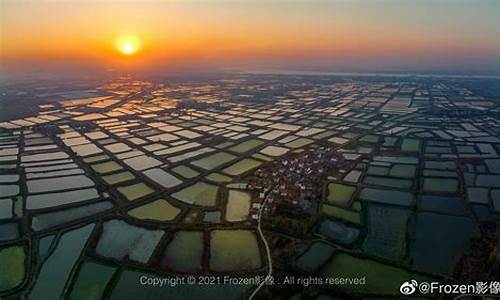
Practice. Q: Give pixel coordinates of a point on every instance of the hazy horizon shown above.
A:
(341, 36)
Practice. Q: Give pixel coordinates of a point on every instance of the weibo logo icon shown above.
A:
(409, 287)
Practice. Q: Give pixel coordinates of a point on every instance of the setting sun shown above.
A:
(128, 44)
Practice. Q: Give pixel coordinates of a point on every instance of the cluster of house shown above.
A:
(294, 180)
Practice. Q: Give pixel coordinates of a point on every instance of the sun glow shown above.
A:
(128, 44)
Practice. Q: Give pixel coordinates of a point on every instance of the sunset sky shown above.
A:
(398, 34)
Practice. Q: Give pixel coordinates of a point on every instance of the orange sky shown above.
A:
(205, 30)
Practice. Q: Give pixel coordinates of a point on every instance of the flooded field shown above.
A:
(213, 161)
(12, 260)
(135, 191)
(201, 193)
(92, 281)
(433, 254)
(56, 269)
(58, 184)
(120, 240)
(162, 178)
(246, 146)
(315, 257)
(184, 253)
(185, 172)
(61, 198)
(49, 220)
(340, 194)
(106, 167)
(159, 210)
(118, 177)
(238, 206)
(274, 151)
(380, 278)
(241, 167)
(234, 250)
